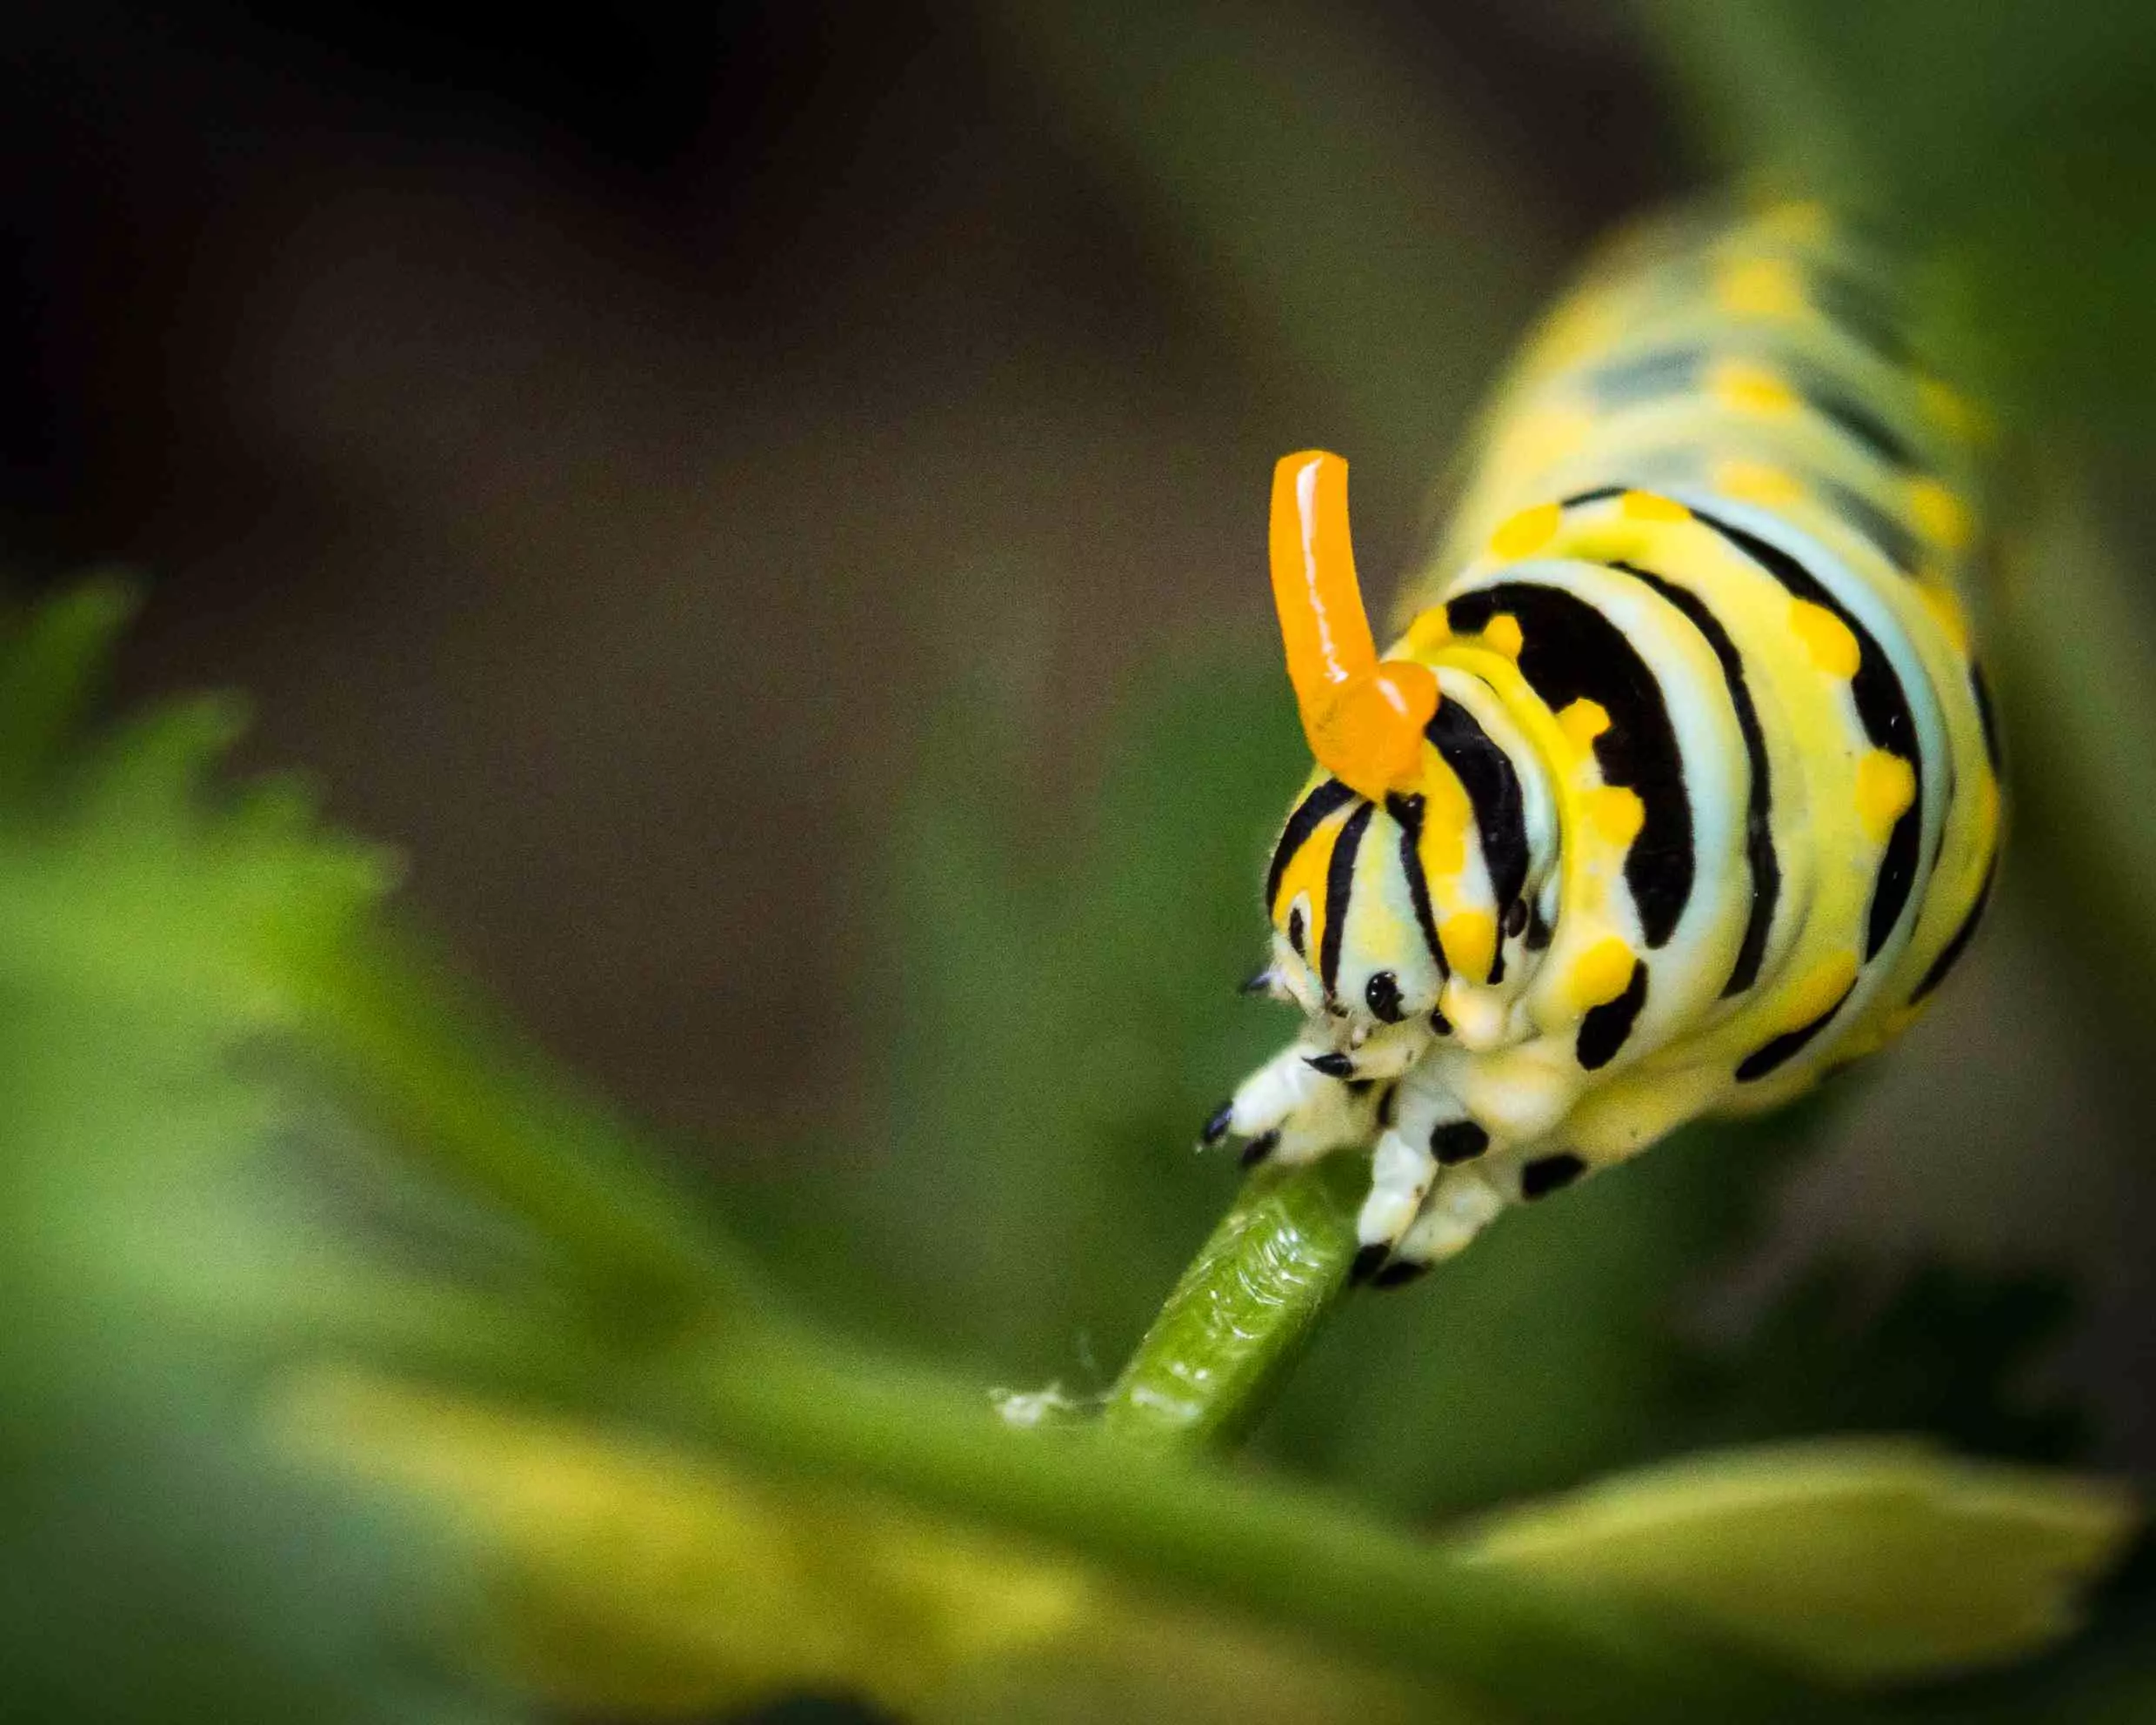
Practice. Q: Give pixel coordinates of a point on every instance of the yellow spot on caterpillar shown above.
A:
(1761, 287)
(1648, 506)
(1617, 812)
(1886, 786)
(1502, 633)
(1431, 629)
(1954, 621)
(1743, 387)
(1940, 514)
(1583, 721)
(1756, 482)
(1825, 637)
(1601, 974)
(1527, 531)
(1828, 982)
(1469, 940)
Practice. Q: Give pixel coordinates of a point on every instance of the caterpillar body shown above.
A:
(1679, 786)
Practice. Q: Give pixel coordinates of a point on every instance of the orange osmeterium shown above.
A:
(1364, 716)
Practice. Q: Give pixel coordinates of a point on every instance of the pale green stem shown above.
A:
(1245, 1309)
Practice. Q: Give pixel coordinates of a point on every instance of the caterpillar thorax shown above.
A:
(1678, 786)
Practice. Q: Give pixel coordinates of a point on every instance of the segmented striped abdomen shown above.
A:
(1678, 786)
(1709, 568)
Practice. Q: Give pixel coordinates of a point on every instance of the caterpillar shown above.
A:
(1679, 786)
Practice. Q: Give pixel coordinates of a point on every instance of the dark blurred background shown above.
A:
(588, 443)
(599, 447)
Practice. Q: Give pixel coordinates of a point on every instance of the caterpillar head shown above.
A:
(1348, 932)
(1403, 863)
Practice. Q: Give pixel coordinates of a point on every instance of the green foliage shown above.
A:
(256, 1148)
(1871, 1559)
(253, 1143)
(140, 931)
(1064, 1015)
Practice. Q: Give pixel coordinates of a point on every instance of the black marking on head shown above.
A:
(1340, 888)
(1325, 796)
(1647, 377)
(1295, 931)
(1382, 995)
(1458, 1142)
(1260, 1148)
(1491, 782)
(1571, 651)
(1333, 1066)
(1516, 919)
(1772, 1055)
(1400, 1272)
(1896, 543)
(1988, 718)
(1766, 868)
(1217, 1124)
(1497, 965)
(1438, 1022)
(1883, 709)
(1367, 1263)
(1603, 1029)
(1407, 812)
(1950, 954)
(1545, 1174)
(1386, 1104)
(1539, 930)
(1361, 1086)
(1600, 494)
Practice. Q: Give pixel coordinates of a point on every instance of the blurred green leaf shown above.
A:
(2104, 1678)
(627, 1576)
(2076, 636)
(205, 1009)
(1061, 998)
(1866, 1560)
(160, 1564)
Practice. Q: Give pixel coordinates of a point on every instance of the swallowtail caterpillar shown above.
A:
(1678, 786)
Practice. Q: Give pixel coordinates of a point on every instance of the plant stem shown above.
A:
(1243, 1310)
(1286, 1554)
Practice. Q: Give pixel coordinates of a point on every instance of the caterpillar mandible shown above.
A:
(1680, 786)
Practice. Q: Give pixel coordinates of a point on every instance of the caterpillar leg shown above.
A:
(1462, 1204)
(1402, 1170)
(1291, 1111)
(1422, 1161)
(1466, 1200)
